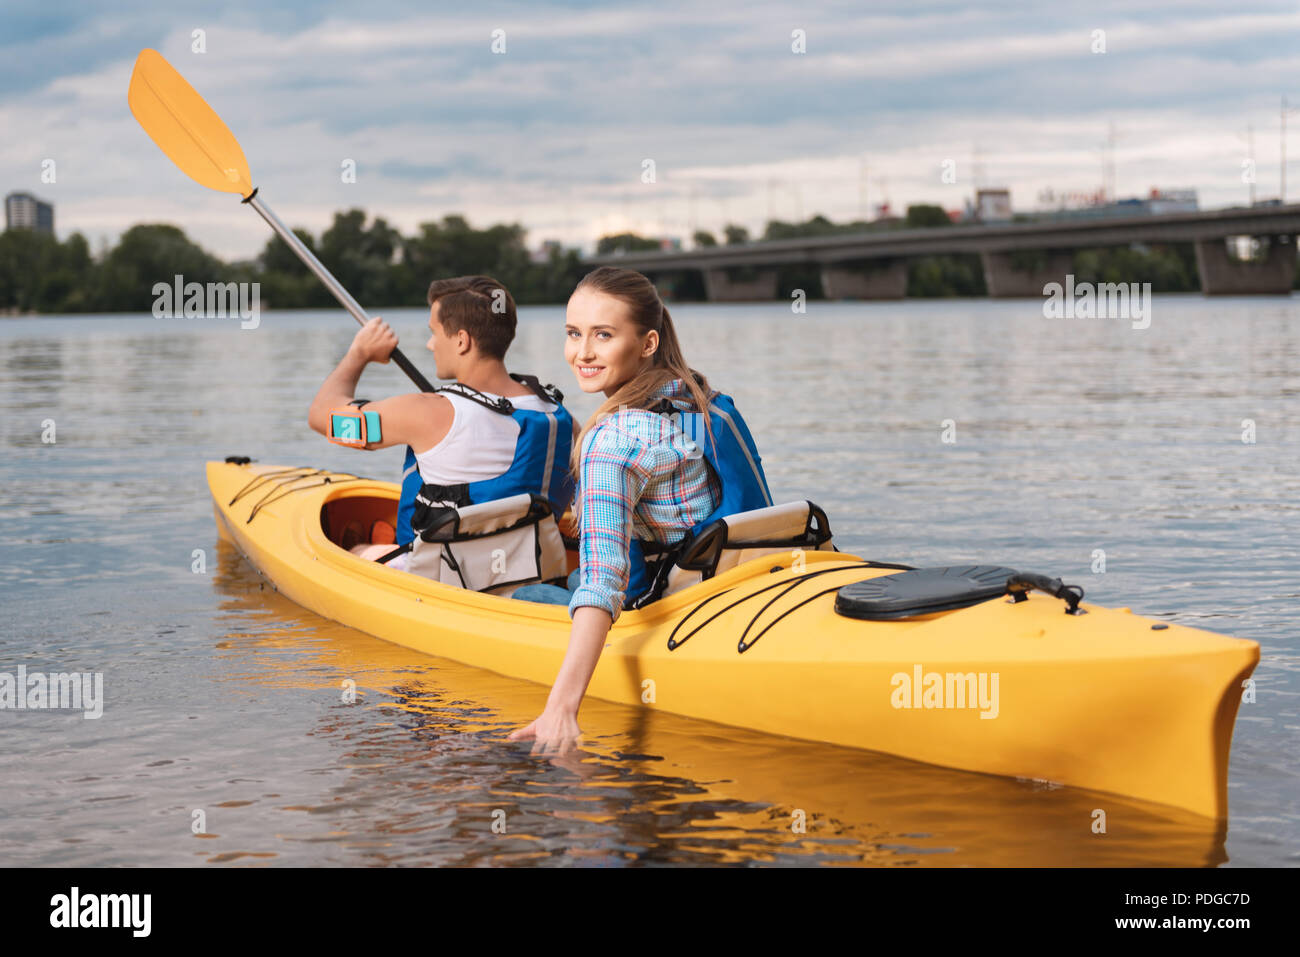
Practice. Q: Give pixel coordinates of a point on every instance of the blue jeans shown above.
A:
(548, 594)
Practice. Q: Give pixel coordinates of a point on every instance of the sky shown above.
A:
(553, 129)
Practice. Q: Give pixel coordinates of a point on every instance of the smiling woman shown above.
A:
(644, 487)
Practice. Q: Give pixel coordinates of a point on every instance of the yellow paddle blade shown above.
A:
(185, 127)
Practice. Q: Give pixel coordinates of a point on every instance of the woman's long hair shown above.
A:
(647, 312)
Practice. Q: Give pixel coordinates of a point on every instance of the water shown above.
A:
(1071, 436)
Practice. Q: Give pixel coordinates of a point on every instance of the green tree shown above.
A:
(735, 235)
(924, 216)
(1169, 268)
(556, 278)
(945, 276)
(149, 254)
(276, 256)
(455, 248)
(819, 225)
(625, 242)
(40, 274)
(286, 281)
(361, 257)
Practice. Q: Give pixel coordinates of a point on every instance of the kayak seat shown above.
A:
(493, 547)
(733, 539)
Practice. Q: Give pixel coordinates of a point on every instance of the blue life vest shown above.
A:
(540, 465)
(735, 463)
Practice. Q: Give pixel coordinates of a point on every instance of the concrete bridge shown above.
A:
(1019, 259)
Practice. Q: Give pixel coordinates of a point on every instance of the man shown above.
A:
(489, 435)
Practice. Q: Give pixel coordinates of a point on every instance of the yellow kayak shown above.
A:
(805, 645)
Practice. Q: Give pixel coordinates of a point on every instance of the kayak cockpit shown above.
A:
(353, 520)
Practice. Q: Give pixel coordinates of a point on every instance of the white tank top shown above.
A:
(480, 443)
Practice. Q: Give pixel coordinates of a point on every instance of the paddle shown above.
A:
(195, 139)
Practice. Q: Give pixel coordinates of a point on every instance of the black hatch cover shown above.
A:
(922, 591)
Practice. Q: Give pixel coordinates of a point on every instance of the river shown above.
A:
(1169, 451)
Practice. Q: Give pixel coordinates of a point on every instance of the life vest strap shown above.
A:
(659, 569)
(500, 404)
(389, 556)
(547, 393)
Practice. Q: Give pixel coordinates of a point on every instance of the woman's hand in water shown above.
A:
(555, 731)
(374, 342)
(557, 727)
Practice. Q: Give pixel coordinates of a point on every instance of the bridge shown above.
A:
(1019, 259)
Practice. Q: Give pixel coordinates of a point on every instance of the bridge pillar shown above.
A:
(739, 285)
(1004, 280)
(1221, 275)
(878, 280)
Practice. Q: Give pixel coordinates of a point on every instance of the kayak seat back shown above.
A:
(493, 547)
(733, 539)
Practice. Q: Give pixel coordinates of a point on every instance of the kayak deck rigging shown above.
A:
(279, 479)
(675, 642)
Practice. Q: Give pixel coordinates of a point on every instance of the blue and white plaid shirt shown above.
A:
(639, 475)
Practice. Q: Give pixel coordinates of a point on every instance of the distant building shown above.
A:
(992, 205)
(1171, 201)
(25, 211)
(671, 244)
(1158, 202)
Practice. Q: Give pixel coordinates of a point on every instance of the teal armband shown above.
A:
(353, 426)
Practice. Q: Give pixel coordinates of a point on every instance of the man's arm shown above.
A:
(420, 420)
(337, 391)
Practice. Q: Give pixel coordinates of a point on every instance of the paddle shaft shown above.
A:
(333, 285)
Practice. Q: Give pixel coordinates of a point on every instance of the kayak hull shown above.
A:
(1100, 700)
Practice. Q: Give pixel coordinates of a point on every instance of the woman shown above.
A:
(642, 483)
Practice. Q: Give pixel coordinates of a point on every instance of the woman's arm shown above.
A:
(557, 727)
(614, 473)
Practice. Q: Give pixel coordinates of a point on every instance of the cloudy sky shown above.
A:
(554, 132)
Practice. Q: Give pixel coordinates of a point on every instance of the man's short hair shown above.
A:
(481, 306)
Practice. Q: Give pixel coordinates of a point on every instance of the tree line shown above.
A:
(375, 262)
(383, 268)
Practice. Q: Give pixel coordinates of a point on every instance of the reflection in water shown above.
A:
(428, 774)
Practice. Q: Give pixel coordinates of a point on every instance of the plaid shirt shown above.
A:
(640, 475)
